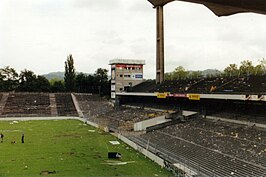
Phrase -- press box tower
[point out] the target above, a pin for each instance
(125, 73)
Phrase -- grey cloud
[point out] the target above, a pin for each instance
(98, 4)
(105, 33)
(140, 6)
(95, 31)
(114, 41)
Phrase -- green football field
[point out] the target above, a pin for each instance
(67, 148)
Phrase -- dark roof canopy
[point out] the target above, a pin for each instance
(224, 7)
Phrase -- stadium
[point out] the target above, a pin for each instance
(205, 126)
(191, 132)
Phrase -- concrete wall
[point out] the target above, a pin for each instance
(40, 118)
(92, 124)
(148, 154)
(237, 121)
(77, 105)
(141, 126)
(188, 113)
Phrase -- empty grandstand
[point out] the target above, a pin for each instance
(30, 104)
(210, 148)
(228, 136)
(36, 105)
(206, 144)
(222, 85)
(65, 105)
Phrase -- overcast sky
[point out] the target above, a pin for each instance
(39, 34)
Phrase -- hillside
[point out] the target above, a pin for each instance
(54, 75)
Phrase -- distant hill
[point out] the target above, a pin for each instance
(207, 72)
(55, 75)
(211, 72)
(60, 75)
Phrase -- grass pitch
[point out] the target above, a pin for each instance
(67, 148)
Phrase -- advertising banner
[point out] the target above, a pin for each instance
(128, 66)
(137, 76)
(112, 87)
(113, 95)
(161, 95)
(194, 96)
(180, 95)
(112, 73)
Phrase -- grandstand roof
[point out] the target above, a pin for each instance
(224, 7)
(127, 61)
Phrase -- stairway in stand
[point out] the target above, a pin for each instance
(3, 102)
(53, 105)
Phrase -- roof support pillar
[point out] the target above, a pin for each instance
(159, 45)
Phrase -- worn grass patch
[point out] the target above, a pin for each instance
(67, 148)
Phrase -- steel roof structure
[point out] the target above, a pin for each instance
(218, 7)
(224, 7)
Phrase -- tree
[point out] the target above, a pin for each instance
(231, 70)
(42, 84)
(168, 76)
(179, 73)
(262, 66)
(69, 74)
(101, 79)
(27, 81)
(195, 74)
(258, 70)
(8, 79)
(81, 83)
(57, 86)
(246, 68)
(101, 76)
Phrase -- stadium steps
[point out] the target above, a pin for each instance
(146, 86)
(195, 84)
(227, 83)
(211, 163)
(53, 104)
(197, 156)
(3, 101)
(238, 159)
(27, 104)
(65, 105)
(206, 158)
(167, 154)
(237, 147)
(75, 101)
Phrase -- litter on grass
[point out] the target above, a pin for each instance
(91, 130)
(114, 142)
(117, 162)
(13, 122)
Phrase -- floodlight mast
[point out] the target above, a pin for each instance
(159, 39)
(218, 7)
(159, 45)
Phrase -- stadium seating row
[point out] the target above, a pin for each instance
(212, 148)
(36, 104)
(244, 84)
(101, 112)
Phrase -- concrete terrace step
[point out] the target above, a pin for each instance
(53, 104)
(3, 102)
(209, 162)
